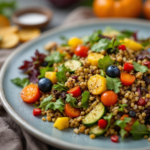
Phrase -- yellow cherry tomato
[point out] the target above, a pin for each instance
(74, 42)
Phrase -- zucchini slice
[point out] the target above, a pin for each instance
(92, 117)
(73, 64)
(96, 130)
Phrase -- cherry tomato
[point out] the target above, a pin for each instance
(129, 125)
(141, 102)
(102, 123)
(114, 138)
(122, 47)
(127, 79)
(122, 118)
(75, 91)
(147, 63)
(81, 51)
(128, 67)
(71, 111)
(109, 98)
(36, 111)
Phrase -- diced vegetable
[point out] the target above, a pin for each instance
(94, 57)
(72, 111)
(51, 76)
(74, 42)
(132, 44)
(141, 102)
(114, 138)
(128, 67)
(122, 47)
(81, 51)
(147, 63)
(122, 118)
(109, 98)
(36, 111)
(75, 91)
(61, 123)
(72, 64)
(30, 93)
(127, 79)
(129, 125)
(93, 116)
(97, 84)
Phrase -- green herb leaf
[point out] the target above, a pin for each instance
(75, 57)
(122, 106)
(65, 41)
(58, 105)
(71, 100)
(44, 70)
(21, 82)
(105, 62)
(55, 57)
(85, 99)
(60, 87)
(103, 44)
(45, 102)
(139, 67)
(125, 34)
(61, 76)
(113, 84)
(111, 31)
(103, 74)
(108, 119)
(139, 130)
(122, 124)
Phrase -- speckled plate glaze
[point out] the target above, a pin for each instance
(22, 112)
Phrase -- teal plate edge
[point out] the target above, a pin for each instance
(54, 140)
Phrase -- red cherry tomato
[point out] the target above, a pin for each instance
(147, 63)
(81, 51)
(127, 79)
(75, 91)
(109, 98)
(36, 111)
(114, 138)
(122, 47)
(102, 123)
(128, 67)
(141, 102)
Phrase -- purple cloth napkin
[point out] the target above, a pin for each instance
(13, 137)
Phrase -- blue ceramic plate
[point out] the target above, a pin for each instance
(22, 112)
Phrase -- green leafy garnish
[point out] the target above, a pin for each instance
(46, 104)
(44, 70)
(122, 106)
(122, 124)
(111, 31)
(60, 87)
(108, 118)
(65, 41)
(85, 99)
(61, 76)
(139, 67)
(55, 57)
(75, 57)
(21, 82)
(71, 100)
(125, 34)
(105, 62)
(113, 84)
(146, 42)
(139, 130)
(103, 74)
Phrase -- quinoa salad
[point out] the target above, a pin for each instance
(99, 84)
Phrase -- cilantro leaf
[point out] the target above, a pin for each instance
(122, 124)
(21, 82)
(113, 84)
(104, 62)
(122, 106)
(56, 105)
(139, 67)
(103, 73)
(61, 76)
(60, 87)
(139, 130)
(55, 57)
(75, 57)
(45, 102)
(108, 118)
(44, 70)
(85, 99)
(71, 100)
(103, 44)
